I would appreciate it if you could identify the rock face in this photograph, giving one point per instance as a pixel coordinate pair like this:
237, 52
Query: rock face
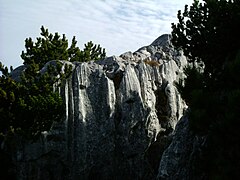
120, 114
181, 159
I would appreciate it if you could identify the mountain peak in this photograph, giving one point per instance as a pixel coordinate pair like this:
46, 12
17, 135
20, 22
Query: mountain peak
162, 40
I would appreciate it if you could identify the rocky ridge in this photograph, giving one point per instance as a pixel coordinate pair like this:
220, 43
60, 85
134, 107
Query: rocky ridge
120, 116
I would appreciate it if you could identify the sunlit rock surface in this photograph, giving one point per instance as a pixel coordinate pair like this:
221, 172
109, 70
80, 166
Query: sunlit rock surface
120, 115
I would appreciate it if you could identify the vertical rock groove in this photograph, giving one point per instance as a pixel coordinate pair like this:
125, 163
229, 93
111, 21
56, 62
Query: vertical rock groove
118, 112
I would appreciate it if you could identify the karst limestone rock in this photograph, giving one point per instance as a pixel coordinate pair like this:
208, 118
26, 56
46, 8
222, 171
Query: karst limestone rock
181, 158
120, 114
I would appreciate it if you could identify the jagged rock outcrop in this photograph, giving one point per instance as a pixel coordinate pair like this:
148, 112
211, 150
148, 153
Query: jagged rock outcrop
120, 114
180, 161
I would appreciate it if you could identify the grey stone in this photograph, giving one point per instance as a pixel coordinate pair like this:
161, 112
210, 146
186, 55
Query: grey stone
119, 111
16, 73
179, 159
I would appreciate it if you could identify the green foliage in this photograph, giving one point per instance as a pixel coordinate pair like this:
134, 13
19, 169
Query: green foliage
8, 87
204, 35
54, 47
31, 105
28, 107
208, 33
48, 47
194, 82
92, 51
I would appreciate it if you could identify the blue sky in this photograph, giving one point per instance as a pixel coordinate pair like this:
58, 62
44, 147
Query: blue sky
117, 25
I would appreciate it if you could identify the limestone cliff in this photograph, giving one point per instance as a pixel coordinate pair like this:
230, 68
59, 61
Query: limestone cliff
120, 115
181, 158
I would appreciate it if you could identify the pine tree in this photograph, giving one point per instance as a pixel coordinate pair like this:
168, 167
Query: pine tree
30, 106
208, 33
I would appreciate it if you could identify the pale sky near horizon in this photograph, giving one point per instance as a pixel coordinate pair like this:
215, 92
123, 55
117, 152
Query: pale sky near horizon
117, 25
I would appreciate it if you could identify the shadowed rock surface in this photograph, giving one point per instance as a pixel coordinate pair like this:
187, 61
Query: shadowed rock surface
120, 116
180, 161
